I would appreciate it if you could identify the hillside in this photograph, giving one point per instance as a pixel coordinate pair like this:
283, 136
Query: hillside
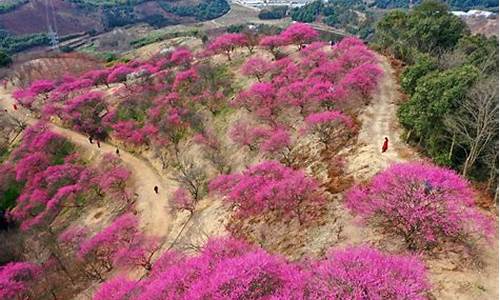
257, 164
79, 16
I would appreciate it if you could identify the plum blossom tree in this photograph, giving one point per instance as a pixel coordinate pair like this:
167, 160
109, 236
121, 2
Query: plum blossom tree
252, 39
361, 273
24, 97
227, 268
191, 176
285, 71
299, 34
255, 66
313, 56
85, 113
39, 87
49, 190
182, 200
73, 235
97, 77
181, 57
112, 178
261, 99
118, 288
423, 203
138, 253
363, 78
213, 101
183, 80
99, 250
214, 150
278, 142
16, 278
329, 126
272, 44
309, 94
169, 119
226, 43
119, 74
269, 186
244, 134
253, 275
74, 86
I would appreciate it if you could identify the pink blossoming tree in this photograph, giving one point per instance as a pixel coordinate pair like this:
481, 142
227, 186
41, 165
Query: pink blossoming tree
361, 273
329, 126
423, 203
299, 34
16, 279
257, 67
269, 186
226, 44
272, 44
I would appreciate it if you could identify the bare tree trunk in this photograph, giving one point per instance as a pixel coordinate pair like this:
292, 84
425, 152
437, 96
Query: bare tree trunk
450, 153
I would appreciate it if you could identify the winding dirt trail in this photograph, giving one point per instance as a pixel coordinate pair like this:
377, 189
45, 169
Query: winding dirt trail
152, 207
450, 279
378, 121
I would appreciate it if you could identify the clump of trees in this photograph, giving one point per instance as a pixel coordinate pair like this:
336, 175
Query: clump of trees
425, 204
274, 12
50, 178
229, 268
269, 186
451, 80
16, 279
343, 14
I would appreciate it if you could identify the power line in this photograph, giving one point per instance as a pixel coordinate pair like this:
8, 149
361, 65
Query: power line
52, 31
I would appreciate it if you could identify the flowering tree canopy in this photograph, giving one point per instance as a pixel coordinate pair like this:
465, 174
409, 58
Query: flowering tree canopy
16, 278
361, 273
269, 186
272, 43
227, 268
226, 44
299, 34
255, 66
328, 125
425, 204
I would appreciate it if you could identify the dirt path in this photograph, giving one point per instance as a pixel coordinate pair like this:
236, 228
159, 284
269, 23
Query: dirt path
152, 207
450, 278
378, 121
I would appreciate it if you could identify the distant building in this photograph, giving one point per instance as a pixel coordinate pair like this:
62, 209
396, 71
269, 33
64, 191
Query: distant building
474, 13
266, 3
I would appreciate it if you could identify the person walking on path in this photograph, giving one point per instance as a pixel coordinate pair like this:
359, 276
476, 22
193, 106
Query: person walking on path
98, 144
156, 189
386, 145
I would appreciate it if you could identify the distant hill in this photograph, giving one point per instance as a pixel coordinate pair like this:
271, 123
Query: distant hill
454, 4
72, 16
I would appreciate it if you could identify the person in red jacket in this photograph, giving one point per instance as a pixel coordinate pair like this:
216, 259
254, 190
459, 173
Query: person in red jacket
386, 145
